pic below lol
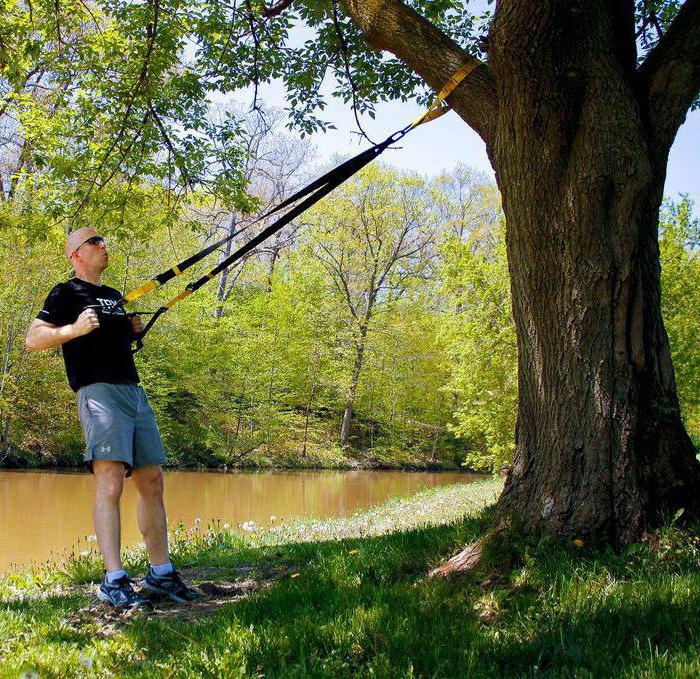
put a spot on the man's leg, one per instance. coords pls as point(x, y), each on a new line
point(162, 579)
point(109, 482)
point(151, 512)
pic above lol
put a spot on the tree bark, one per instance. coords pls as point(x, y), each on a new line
point(346, 428)
point(579, 139)
point(601, 452)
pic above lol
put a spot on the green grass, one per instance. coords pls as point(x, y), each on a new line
point(351, 597)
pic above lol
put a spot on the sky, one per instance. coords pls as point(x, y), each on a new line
point(447, 141)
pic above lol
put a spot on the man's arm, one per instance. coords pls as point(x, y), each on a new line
point(43, 335)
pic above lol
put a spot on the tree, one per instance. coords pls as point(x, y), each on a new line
point(98, 115)
point(371, 238)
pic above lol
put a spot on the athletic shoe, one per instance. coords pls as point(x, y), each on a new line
point(171, 586)
point(120, 594)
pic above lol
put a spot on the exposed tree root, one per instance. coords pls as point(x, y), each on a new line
point(464, 562)
point(471, 558)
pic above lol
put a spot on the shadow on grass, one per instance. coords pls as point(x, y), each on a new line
point(365, 605)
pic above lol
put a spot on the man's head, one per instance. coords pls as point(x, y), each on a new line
point(87, 250)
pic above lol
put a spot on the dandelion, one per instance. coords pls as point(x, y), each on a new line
point(197, 522)
point(84, 553)
point(354, 551)
point(248, 526)
point(86, 661)
point(273, 518)
point(226, 526)
point(578, 542)
point(31, 674)
point(294, 575)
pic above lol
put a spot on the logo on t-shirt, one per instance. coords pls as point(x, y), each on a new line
point(109, 306)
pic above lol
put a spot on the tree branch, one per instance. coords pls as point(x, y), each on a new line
point(670, 77)
point(393, 26)
point(277, 9)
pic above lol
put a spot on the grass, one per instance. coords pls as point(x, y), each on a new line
point(351, 597)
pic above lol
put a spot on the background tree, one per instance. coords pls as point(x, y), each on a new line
point(371, 238)
point(479, 332)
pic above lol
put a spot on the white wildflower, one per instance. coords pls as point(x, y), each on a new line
point(91, 538)
point(226, 526)
point(197, 522)
point(86, 661)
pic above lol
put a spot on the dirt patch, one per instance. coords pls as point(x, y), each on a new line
point(218, 587)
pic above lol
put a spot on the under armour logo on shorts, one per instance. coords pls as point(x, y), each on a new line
point(105, 449)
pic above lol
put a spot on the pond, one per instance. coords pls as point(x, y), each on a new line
point(43, 513)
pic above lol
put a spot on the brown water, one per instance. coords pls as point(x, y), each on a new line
point(43, 513)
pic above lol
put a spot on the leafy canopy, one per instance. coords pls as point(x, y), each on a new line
point(115, 94)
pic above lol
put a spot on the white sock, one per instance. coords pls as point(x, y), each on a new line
point(115, 575)
point(162, 569)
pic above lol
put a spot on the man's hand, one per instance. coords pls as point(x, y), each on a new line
point(85, 323)
point(136, 324)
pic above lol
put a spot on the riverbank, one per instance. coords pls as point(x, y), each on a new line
point(289, 455)
point(351, 596)
point(344, 464)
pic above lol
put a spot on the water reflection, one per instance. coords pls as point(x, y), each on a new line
point(41, 513)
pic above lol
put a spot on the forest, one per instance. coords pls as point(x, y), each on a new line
point(375, 331)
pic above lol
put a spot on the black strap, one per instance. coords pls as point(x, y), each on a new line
point(332, 178)
point(315, 191)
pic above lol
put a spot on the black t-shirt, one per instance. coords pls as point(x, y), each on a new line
point(103, 355)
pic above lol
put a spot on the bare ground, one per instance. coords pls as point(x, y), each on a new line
point(218, 586)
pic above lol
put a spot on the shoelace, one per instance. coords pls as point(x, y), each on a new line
point(124, 584)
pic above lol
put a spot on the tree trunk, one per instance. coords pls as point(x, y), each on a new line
point(601, 452)
point(346, 428)
point(578, 135)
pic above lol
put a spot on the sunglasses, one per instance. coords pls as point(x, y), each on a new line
point(95, 240)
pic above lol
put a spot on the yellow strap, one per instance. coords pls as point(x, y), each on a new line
point(180, 297)
point(176, 270)
point(146, 287)
point(438, 107)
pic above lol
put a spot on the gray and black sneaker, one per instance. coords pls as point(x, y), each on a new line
point(120, 594)
point(170, 585)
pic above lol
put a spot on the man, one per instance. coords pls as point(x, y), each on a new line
point(87, 319)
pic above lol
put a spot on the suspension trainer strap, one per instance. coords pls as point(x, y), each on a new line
point(439, 107)
point(333, 177)
point(312, 193)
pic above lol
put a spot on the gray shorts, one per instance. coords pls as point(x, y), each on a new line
point(119, 424)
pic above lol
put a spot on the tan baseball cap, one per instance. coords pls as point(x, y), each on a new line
point(77, 238)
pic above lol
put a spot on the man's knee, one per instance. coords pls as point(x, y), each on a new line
point(149, 481)
point(109, 479)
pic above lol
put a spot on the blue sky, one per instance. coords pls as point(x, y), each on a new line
point(447, 141)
